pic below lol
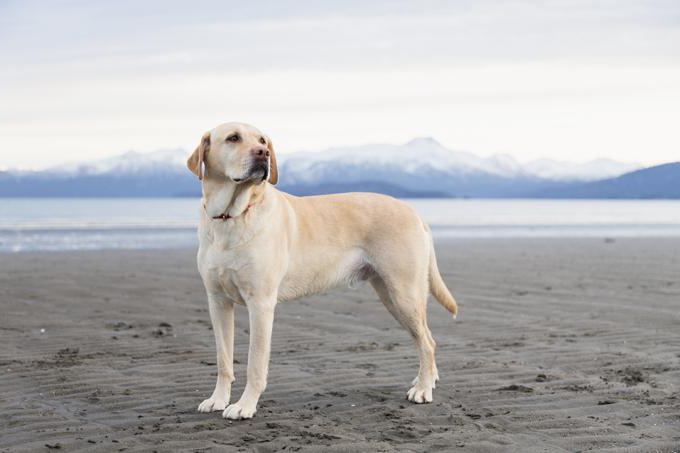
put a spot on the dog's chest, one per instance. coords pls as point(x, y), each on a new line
point(220, 275)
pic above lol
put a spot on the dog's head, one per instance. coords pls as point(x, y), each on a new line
point(235, 151)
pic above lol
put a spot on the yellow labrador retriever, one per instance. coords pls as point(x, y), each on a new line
point(259, 246)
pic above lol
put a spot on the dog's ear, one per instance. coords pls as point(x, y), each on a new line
point(195, 161)
point(273, 169)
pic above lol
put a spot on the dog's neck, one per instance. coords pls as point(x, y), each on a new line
point(223, 197)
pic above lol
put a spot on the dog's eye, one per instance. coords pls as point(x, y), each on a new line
point(233, 138)
point(263, 141)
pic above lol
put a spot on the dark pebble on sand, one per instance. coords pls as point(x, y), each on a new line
point(516, 388)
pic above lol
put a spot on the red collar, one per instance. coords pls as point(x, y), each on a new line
point(225, 216)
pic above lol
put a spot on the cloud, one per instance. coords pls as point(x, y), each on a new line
point(565, 79)
point(293, 35)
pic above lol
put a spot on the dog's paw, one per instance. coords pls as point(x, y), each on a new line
point(213, 404)
point(239, 411)
point(419, 395)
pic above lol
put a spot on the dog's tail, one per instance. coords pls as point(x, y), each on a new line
point(437, 286)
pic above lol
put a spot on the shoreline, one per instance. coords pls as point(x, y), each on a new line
point(19, 241)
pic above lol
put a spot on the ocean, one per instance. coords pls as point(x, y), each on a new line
point(53, 224)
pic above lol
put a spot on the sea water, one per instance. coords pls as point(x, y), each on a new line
point(34, 224)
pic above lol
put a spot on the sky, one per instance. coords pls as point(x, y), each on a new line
point(565, 80)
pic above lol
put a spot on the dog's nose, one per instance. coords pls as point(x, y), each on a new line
point(260, 153)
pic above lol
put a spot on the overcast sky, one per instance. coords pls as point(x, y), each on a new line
point(568, 80)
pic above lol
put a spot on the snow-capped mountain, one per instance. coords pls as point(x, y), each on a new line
point(588, 171)
point(420, 167)
point(427, 154)
point(128, 162)
point(417, 155)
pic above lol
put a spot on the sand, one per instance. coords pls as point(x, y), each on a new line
point(561, 345)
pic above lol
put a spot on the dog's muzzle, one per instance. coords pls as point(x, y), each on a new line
point(259, 166)
point(259, 170)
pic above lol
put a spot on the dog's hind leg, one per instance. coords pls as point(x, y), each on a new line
point(407, 302)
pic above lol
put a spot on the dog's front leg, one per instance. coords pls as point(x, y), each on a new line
point(222, 318)
point(261, 315)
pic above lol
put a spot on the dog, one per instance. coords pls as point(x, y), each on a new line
point(259, 246)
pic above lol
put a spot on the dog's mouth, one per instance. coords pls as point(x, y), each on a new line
point(258, 171)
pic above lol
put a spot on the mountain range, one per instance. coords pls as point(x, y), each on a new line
point(419, 168)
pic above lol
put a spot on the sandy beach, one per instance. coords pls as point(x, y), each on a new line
point(561, 345)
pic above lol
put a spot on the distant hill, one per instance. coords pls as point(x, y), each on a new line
point(419, 168)
point(155, 184)
point(662, 181)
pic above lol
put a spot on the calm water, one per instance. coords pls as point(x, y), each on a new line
point(89, 224)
